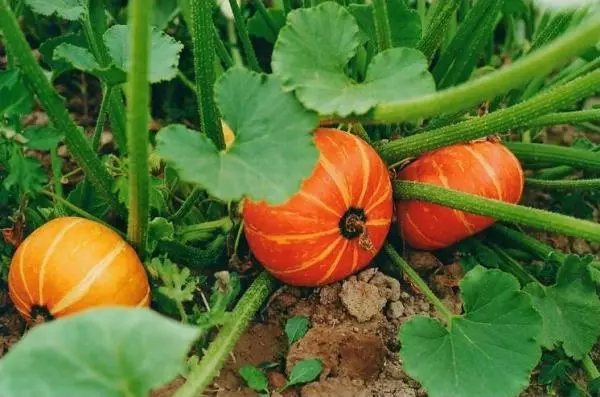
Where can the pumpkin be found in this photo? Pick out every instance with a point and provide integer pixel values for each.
(70, 264)
(334, 225)
(483, 168)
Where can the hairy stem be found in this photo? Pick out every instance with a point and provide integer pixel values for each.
(188, 204)
(221, 346)
(382, 25)
(138, 96)
(56, 176)
(567, 184)
(533, 153)
(590, 368)
(52, 103)
(576, 117)
(224, 56)
(499, 210)
(493, 84)
(418, 282)
(106, 95)
(242, 31)
(498, 121)
(204, 58)
(438, 23)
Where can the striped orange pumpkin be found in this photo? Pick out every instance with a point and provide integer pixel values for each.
(334, 225)
(70, 264)
(483, 168)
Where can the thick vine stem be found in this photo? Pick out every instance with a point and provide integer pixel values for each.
(242, 30)
(76, 141)
(555, 155)
(470, 94)
(221, 346)
(563, 184)
(437, 26)
(576, 117)
(418, 282)
(138, 96)
(499, 210)
(382, 25)
(203, 36)
(501, 120)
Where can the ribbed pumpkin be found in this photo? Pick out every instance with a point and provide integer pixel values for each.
(334, 225)
(483, 168)
(70, 264)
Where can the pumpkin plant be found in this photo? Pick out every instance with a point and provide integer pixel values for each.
(314, 127)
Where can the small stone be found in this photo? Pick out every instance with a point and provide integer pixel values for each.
(424, 306)
(329, 294)
(361, 300)
(395, 310)
(581, 247)
(367, 275)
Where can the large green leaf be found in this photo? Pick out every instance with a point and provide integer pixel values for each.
(113, 352)
(81, 59)
(312, 51)
(47, 50)
(71, 10)
(273, 150)
(570, 308)
(164, 52)
(257, 26)
(488, 351)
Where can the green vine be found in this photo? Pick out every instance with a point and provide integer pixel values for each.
(555, 155)
(439, 22)
(221, 346)
(204, 59)
(499, 210)
(576, 117)
(52, 103)
(242, 30)
(138, 96)
(498, 121)
(567, 184)
(382, 25)
(496, 83)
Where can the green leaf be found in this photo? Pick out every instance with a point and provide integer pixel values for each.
(43, 137)
(15, 98)
(71, 10)
(488, 351)
(47, 51)
(273, 150)
(570, 308)
(311, 53)
(405, 24)
(254, 378)
(164, 52)
(159, 229)
(259, 28)
(305, 371)
(163, 12)
(295, 328)
(26, 173)
(93, 202)
(107, 352)
(177, 283)
(81, 59)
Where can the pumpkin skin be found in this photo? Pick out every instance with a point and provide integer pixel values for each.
(482, 168)
(71, 264)
(302, 241)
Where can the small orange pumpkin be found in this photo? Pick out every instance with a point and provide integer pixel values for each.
(71, 264)
(482, 168)
(335, 224)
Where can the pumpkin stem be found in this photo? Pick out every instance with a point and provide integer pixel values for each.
(40, 314)
(353, 224)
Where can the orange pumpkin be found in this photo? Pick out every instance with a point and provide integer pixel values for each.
(482, 168)
(334, 225)
(71, 264)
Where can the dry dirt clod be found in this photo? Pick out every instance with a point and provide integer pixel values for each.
(423, 261)
(581, 247)
(362, 300)
(329, 294)
(367, 274)
(388, 286)
(395, 310)
(335, 387)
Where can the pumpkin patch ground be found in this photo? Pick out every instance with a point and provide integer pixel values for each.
(299, 198)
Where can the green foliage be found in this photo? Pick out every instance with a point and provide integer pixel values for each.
(304, 371)
(26, 173)
(499, 319)
(101, 352)
(81, 59)
(15, 99)
(254, 378)
(259, 28)
(570, 308)
(295, 328)
(43, 137)
(71, 10)
(267, 161)
(311, 53)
